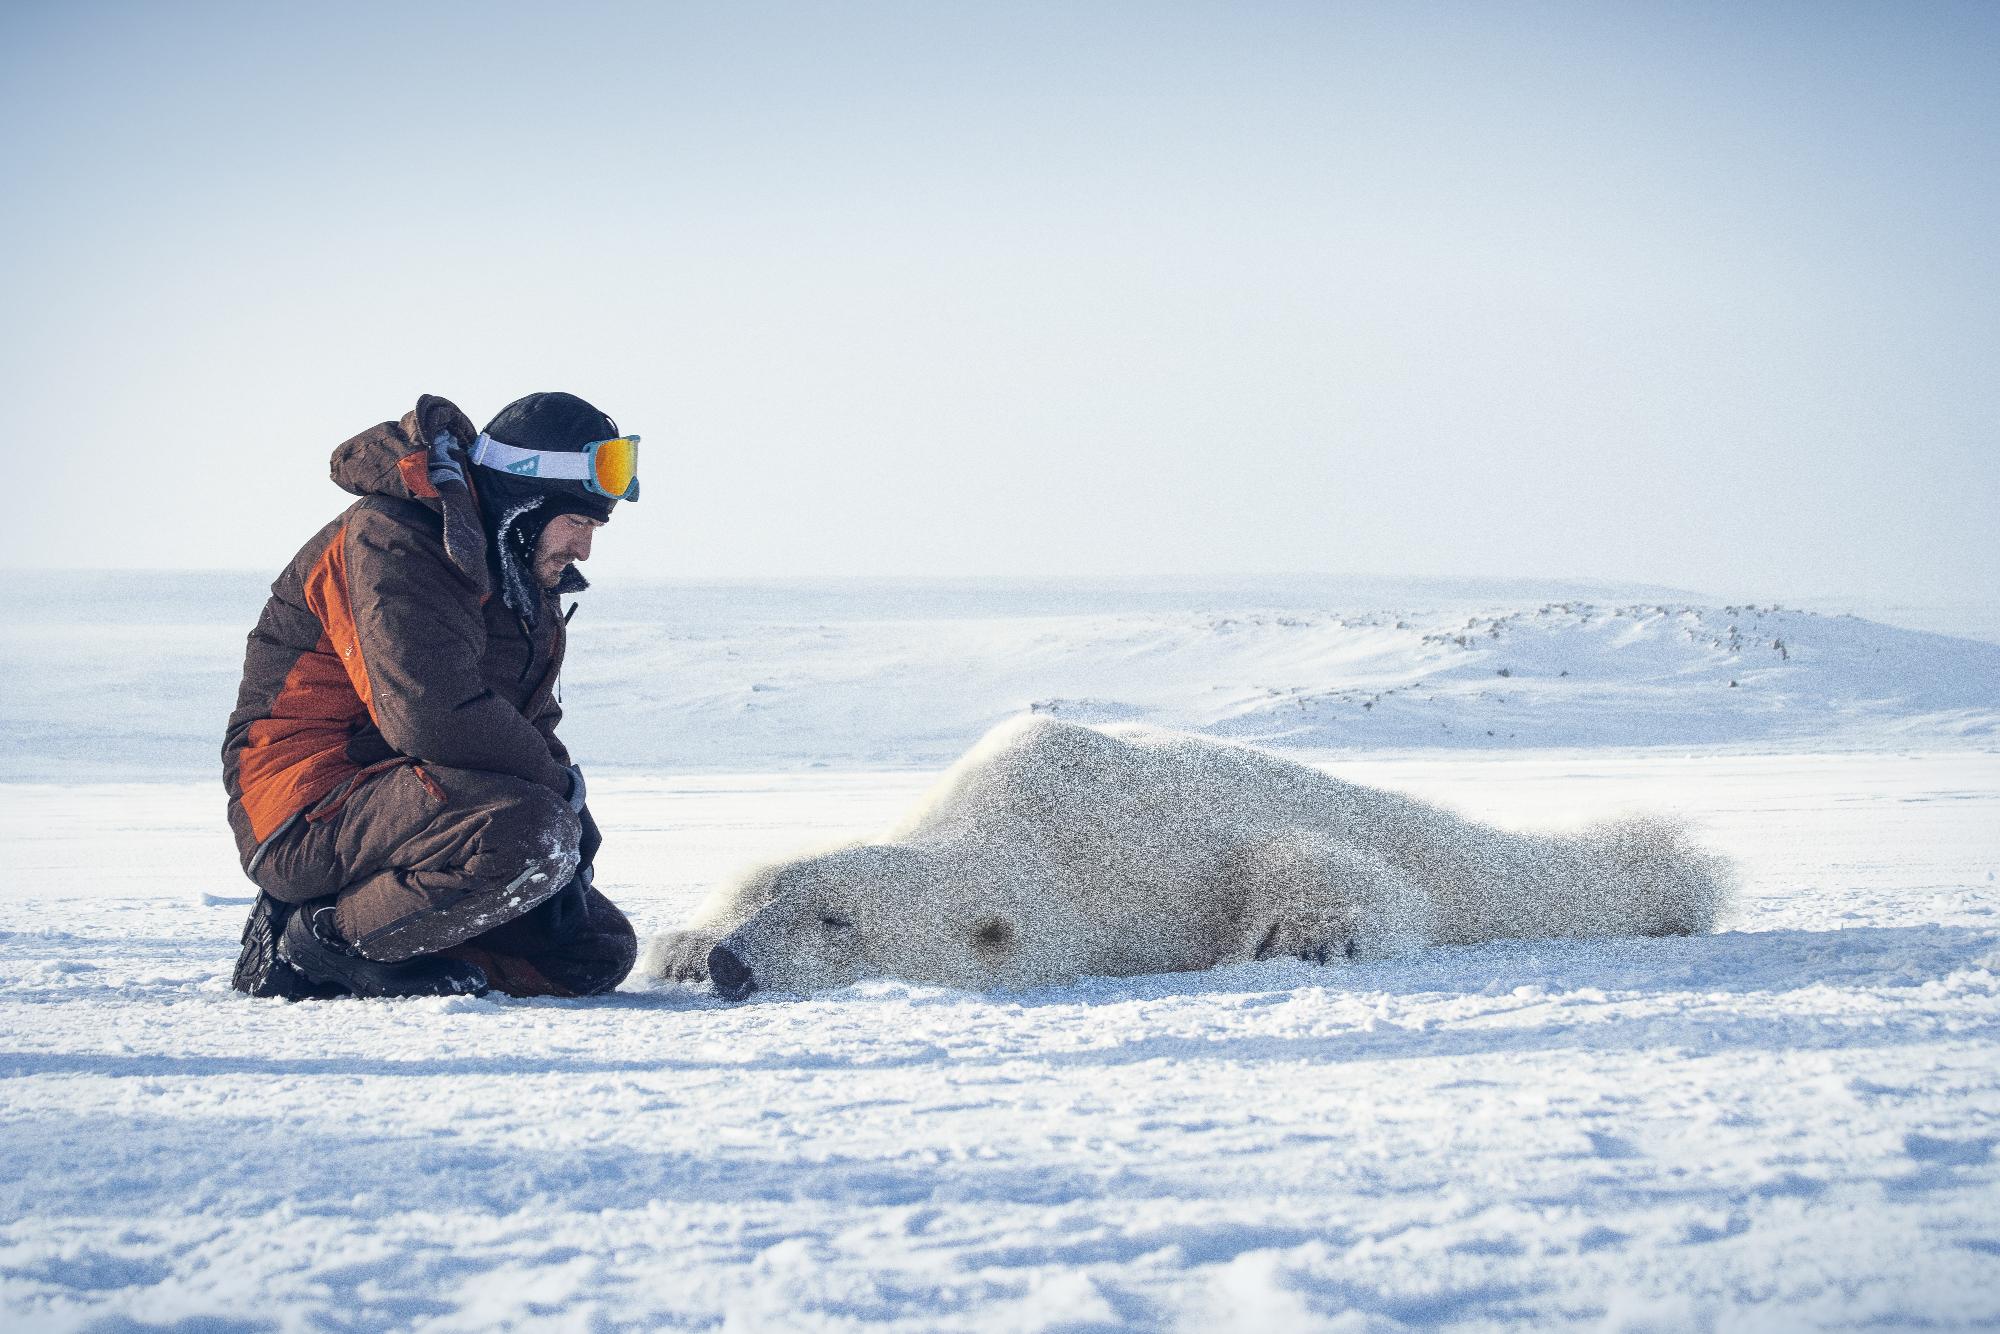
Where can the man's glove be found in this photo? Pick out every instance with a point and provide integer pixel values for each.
(563, 914)
(444, 466)
(464, 538)
(586, 851)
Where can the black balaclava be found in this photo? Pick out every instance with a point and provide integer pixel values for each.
(517, 509)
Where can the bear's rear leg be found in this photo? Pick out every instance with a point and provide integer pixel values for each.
(1315, 940)
(1307, 896)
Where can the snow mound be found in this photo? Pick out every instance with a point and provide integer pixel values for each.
(700, 687)
(131, 675)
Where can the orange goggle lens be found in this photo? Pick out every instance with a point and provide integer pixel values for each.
(614, 465)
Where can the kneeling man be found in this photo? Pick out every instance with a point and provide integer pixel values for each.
(396, 786)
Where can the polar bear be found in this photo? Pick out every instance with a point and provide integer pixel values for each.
(1052, 851)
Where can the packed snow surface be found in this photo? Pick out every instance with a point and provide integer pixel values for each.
(1789, 1124)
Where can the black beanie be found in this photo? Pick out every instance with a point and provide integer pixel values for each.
(552, 421)
(516, 509)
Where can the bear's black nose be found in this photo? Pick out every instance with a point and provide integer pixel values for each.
(732, 979)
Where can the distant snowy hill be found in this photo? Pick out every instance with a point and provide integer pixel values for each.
(132, 675)
(707, 685)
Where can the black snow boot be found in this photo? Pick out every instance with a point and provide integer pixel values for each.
(310, 946)
(259, 970)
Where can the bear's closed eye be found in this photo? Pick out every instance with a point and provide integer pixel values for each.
(835, 923)
(994, 935)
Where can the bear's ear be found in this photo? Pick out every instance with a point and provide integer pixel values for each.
(993, 938)
(883, 860)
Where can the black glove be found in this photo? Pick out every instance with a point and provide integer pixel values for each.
(563, 914)
(586, 851)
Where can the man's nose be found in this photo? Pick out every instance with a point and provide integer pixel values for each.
(580, 546)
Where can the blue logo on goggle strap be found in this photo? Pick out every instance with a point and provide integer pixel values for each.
(526, 467)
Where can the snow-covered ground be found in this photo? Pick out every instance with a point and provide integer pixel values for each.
(1790, 1124)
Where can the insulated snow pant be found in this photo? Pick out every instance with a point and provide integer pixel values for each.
(426, 859)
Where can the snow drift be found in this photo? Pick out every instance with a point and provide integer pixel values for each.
(117, 675)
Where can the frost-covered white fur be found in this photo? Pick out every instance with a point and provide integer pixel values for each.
(1052, 851)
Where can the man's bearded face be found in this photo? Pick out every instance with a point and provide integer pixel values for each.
(565, 541)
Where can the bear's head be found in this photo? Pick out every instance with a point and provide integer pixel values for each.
(872, 910)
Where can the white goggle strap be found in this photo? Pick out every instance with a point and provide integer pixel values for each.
(562, 465)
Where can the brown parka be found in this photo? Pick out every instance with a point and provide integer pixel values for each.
(383, 646)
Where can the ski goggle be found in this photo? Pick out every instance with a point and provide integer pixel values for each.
(608, 467)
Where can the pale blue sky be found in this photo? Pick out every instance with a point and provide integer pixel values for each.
(1692, 294)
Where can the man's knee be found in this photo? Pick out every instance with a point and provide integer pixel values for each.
(599, 955)
(494, 848)
(529, 957)
(614, 949)
(516, 826)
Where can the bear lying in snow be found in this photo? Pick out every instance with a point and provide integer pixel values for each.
(1052, 851)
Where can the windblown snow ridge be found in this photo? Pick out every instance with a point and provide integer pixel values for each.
(135, 678)
(1558, 674)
